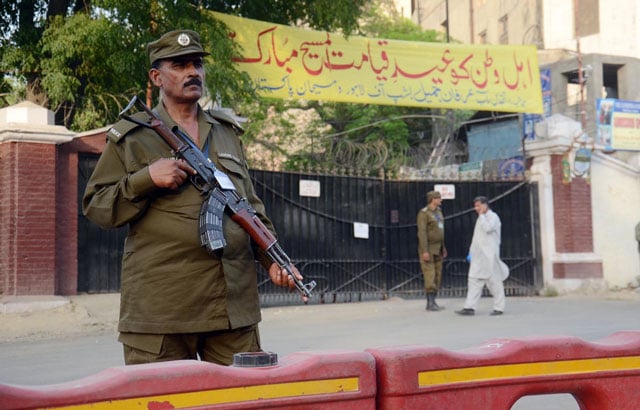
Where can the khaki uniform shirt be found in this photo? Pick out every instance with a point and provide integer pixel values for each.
(430, 231)
(170, 284)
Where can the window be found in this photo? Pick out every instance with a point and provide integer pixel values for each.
(610, 80)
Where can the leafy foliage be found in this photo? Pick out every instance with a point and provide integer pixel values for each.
(84, 59)
(326, 15)
(83, 64)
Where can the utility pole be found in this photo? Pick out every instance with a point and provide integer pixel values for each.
(446, 11)
(450, 113)
(583, 117)
(472, 28)
(440, 147)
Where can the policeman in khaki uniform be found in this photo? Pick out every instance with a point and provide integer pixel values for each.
(177, 300)
(431, 249)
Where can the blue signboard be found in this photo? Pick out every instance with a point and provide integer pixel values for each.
(528, 120)
(618, 123)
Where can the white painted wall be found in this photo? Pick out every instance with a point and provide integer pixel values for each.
(616, 211)
(403, 7)
(619, 23)
(619, 29)
(558, 25)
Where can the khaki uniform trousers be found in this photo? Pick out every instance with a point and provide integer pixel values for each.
(216, 346)
(432, 273)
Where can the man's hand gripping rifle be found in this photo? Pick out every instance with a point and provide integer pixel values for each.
(220, 195)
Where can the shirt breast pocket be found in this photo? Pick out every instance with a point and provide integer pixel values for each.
(235, 171)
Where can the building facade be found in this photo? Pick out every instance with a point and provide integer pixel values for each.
(592, 51)
(592, 47)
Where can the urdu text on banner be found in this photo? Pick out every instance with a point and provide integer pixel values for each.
(288, 62)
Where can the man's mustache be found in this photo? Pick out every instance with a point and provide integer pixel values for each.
(193, 81)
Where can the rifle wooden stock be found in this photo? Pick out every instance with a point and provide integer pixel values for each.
(256, 229)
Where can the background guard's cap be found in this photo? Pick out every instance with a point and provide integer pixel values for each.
(431, 195)
(175, 43)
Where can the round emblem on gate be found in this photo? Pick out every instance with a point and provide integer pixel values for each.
(184, 40)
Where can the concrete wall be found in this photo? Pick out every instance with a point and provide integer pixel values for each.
(466, 22)
(628, 85)
(619, 32)
(548, 24)
(616, 211)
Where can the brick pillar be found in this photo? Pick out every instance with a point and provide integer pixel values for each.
(566, 219)
(28, 154)
(573, 227)
(66, 220)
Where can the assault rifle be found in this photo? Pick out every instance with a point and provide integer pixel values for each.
(220, 196)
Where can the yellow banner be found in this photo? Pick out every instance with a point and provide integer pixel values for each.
(287, 62)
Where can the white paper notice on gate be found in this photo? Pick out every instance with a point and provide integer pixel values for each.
(360, 230)
(309, 188)
(448, 191)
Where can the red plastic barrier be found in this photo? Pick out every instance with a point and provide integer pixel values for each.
(331, 380)
(604, 375)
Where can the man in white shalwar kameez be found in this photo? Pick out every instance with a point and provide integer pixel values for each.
(486, 267)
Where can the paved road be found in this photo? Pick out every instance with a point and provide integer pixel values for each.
(357, 326)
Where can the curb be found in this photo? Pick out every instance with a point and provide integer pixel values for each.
(22, 304)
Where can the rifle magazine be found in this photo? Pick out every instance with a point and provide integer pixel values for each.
(211, 217)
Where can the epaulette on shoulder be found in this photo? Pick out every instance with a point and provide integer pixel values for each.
(124, 127)
(224, 117)
(425, 209)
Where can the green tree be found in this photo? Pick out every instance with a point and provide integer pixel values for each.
(84, 59)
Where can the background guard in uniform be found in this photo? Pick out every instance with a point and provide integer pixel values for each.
(431, 249)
